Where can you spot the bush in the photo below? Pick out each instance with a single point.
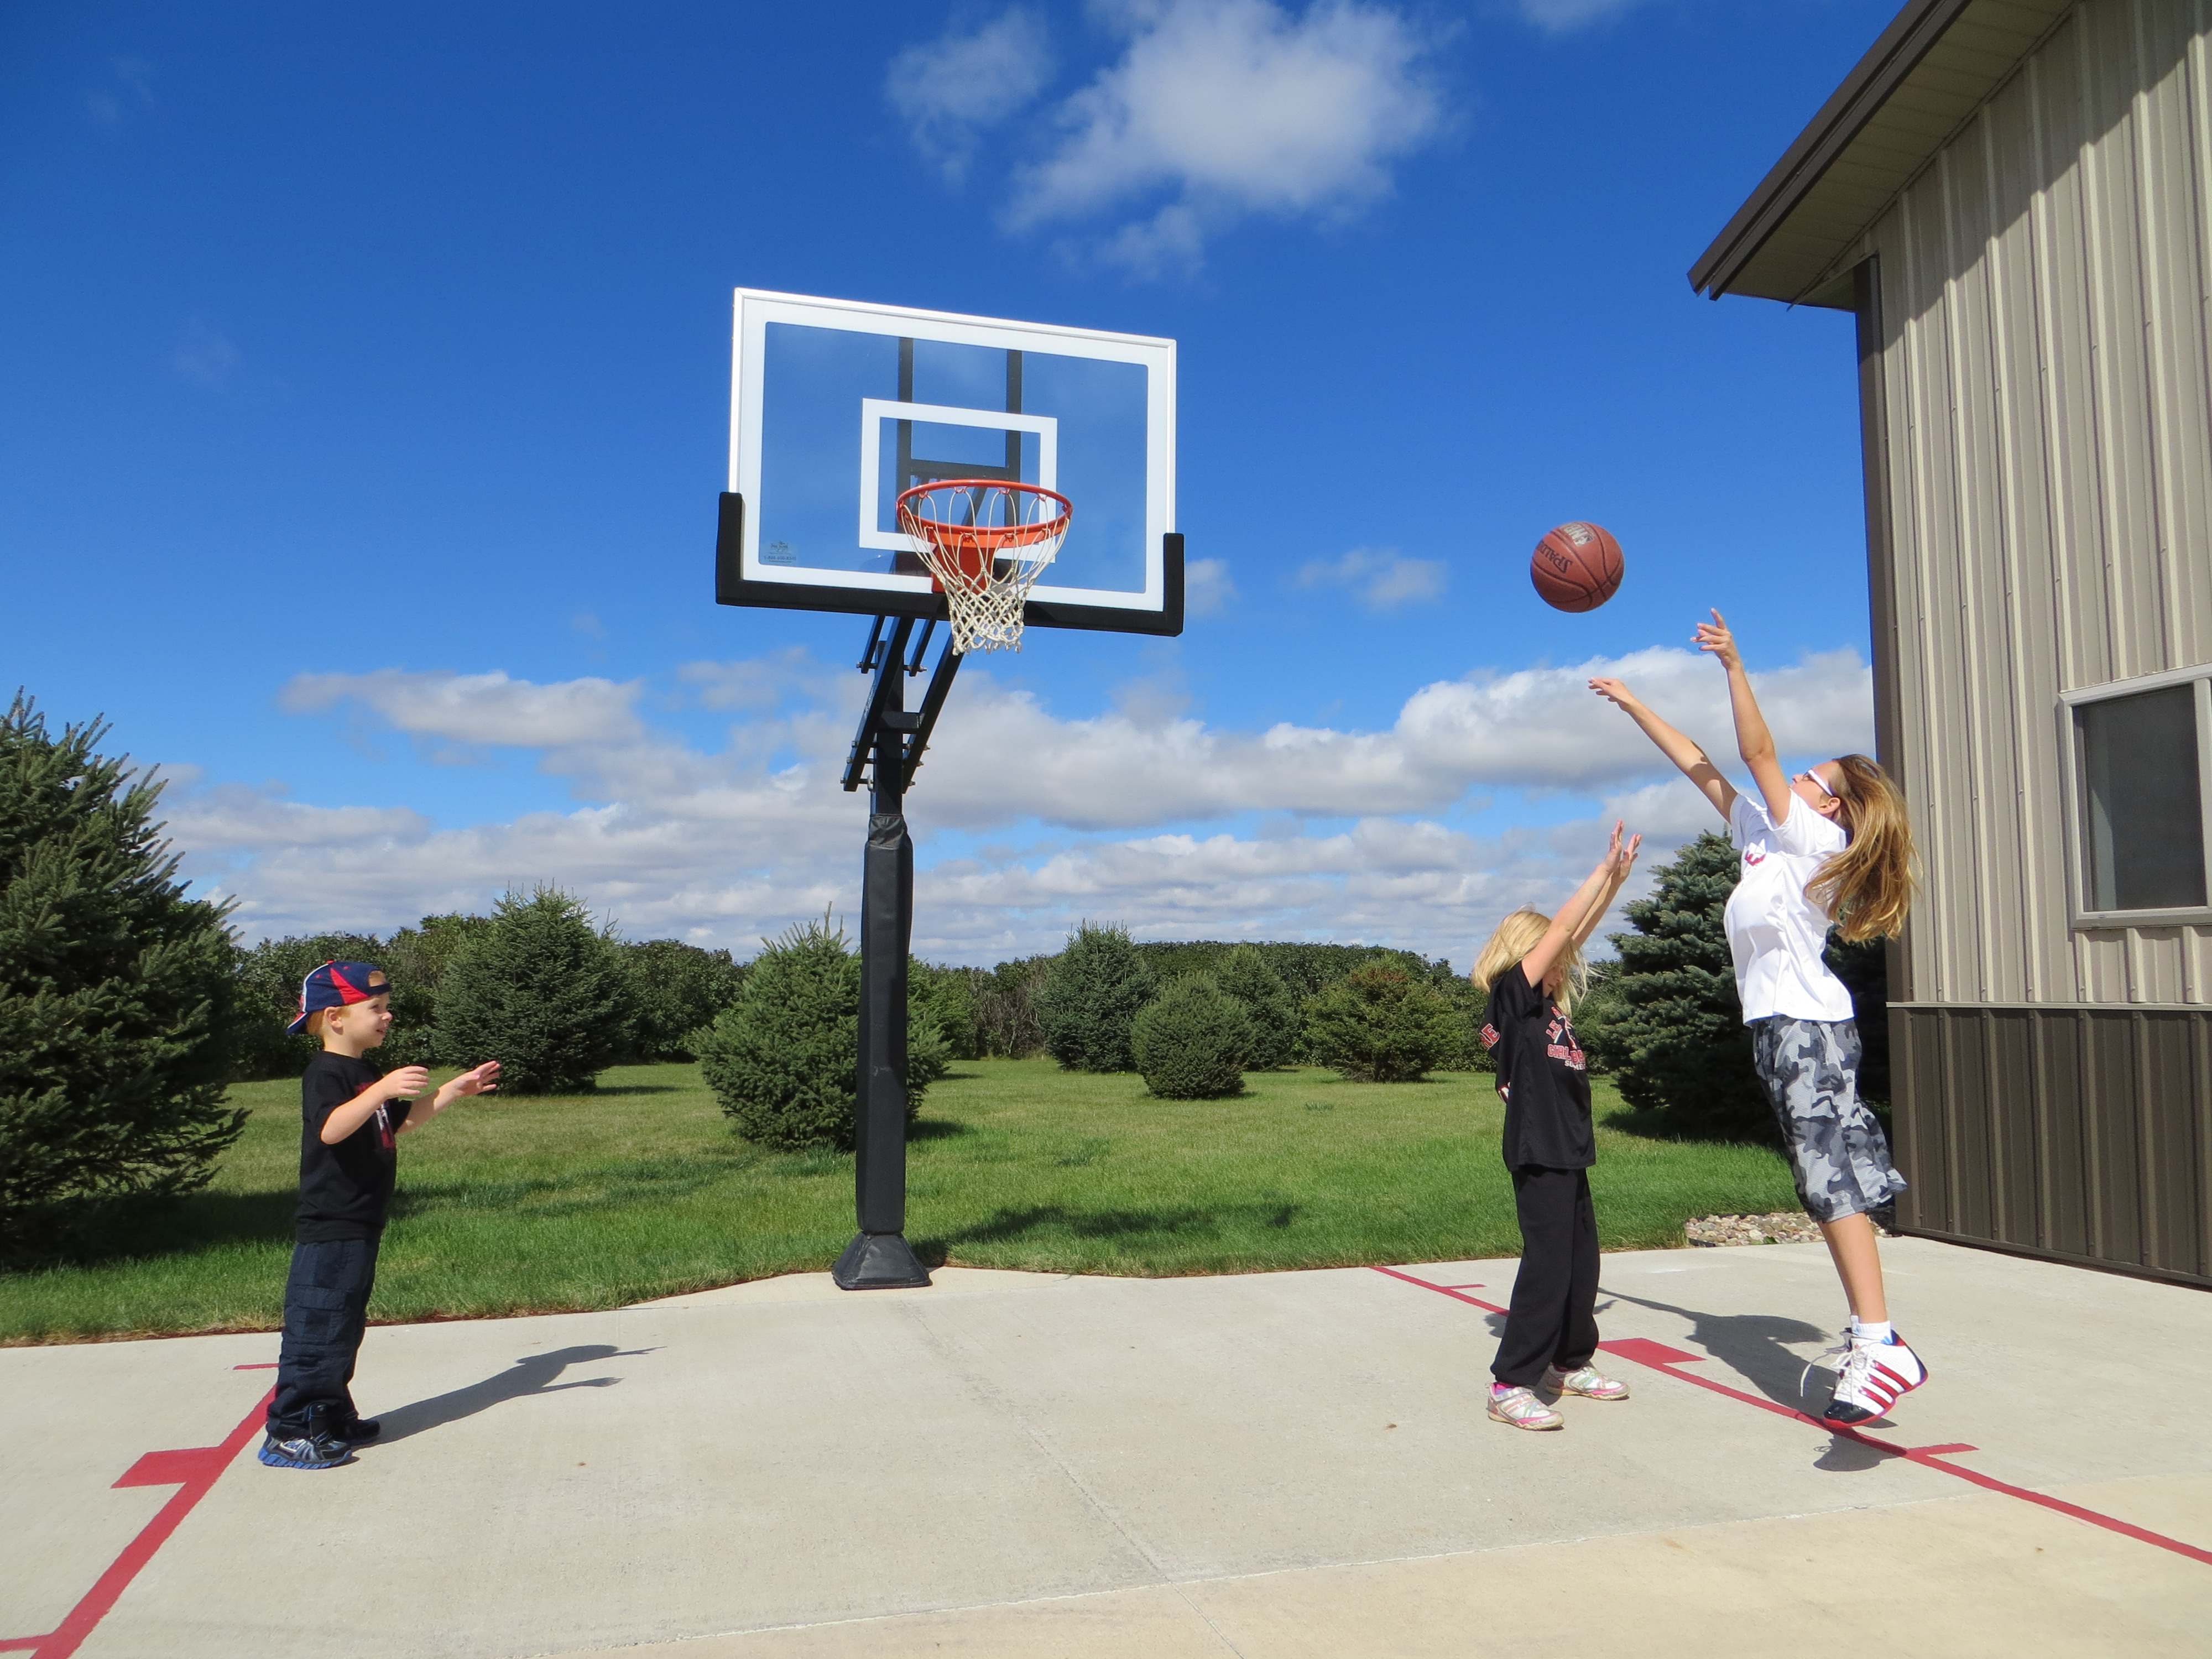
(1245, 974)
(417, 959)
(1090, 1000)
(1597, 1014)
(947, 995)
(1865, 970)
(784, 1059)
(118, 994)
(678, 989)
(1676, 1039)
(268, 998)
(1006, 1022)
(542, 992)
(1190, 1041)
(1380, 1025)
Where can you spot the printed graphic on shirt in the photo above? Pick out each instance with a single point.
(1755, 856)
(1559, 1042)
(1489, 1036)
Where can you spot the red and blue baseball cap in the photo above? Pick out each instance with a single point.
(338, 985)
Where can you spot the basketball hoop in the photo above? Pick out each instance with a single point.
(986, 542)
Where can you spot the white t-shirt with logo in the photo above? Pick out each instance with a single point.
(1775, 932)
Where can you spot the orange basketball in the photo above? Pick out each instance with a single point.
(1575, 567)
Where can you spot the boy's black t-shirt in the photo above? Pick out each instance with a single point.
(345, 1189)
(1541, 1074)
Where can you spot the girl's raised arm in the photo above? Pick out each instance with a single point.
(1619, 861)
(1584, 906)
(1673, 744)
(1752, 740)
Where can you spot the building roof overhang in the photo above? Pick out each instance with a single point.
(1936, 63)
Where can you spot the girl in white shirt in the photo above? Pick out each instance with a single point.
(1829, 847)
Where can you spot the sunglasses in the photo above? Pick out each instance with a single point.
(1821, 782)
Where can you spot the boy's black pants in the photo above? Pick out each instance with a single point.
(1552, 1318)
(325, 1309)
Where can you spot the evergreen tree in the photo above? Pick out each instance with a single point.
(268, 997)
(416, 958)
(784, 1058)
(679, 989)
(117, 993)
(542, 992)
(1190, 1041)
(1090, 1000)
(1381, 1025)
(1675, 1036)
(1246, 974)
(1006, 1022)
(948, 996)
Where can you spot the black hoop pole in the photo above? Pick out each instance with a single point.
(888, 744)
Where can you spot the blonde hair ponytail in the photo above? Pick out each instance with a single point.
(1868, 888)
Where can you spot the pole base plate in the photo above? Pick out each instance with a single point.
(879, 1261)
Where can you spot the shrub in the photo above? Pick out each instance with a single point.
(1865, 970)
(1597, 1015)
(118, 1015)
(784, 1058)
(417, 959)
(1091, 998)
(1245, 974)
(1006, 1022)
(1380, 1025)
(1676, 1038)
(678, 988)
(268, 999)
(947, 995)
(542, 992)
(1190, 1041)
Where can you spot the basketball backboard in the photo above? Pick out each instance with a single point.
(836, 406)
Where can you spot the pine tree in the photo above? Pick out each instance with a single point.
(1247, 975)
(1090, 1000)
(784, 1058)
(679, 988)
(1381, 1025)
(1190, 1041)
(542, 992)
(1675, 1035)
(118, 1017)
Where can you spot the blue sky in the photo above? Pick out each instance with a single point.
(367, 404)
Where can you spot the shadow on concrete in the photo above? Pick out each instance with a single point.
(1004, 1224)
(531, 1376)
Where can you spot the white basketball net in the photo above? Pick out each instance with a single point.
(987, 543)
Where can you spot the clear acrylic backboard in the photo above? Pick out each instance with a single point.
(836, 406)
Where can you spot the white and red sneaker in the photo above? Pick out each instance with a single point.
(1874, 1377)
(1520, 1409)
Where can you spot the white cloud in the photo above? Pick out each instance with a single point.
(1386, 578)
(1221, 108)
(953, 88)
(480, 708)
(1558, 16)
(730, 846)
(204, 356)
(1206, 588)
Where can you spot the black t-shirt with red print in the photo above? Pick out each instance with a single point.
(1541, 1074)
(345, 1189)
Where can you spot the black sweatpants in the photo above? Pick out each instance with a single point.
(326, 1310)
(1553, 1318)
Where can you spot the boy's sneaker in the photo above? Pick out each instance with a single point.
(1586, 1380)
(1873, 1378)
(1523, 1410)
(314, 1445)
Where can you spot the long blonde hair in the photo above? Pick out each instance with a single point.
(1520, 932)
(1868, 888)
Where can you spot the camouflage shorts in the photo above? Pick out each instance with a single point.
(1836, 1149)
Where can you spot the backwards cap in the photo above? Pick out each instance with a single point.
(338, 985)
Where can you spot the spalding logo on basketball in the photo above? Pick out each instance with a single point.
(1575, 567)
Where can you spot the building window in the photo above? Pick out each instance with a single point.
(2140, 764)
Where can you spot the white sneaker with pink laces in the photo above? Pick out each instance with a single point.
(1522, 1409)
(1586, 1380)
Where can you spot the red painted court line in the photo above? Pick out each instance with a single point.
(1660, 1358)
(193, 1471)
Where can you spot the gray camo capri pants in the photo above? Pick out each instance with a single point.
(1836, 1147)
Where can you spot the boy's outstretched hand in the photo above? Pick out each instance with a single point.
(1714, 637)
(481, 1080)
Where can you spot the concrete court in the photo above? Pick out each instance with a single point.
(1270, 1465)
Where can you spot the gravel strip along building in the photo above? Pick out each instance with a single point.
(2015, 196)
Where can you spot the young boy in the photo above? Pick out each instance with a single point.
(352, 1116)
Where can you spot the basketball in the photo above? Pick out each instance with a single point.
(1575, 567)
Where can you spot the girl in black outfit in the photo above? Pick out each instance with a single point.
(1532, 968)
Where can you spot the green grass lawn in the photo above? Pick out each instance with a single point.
(512, 1205)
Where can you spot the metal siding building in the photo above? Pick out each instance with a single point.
(2015, 196)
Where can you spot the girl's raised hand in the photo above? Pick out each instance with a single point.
(1615, 692)
(1622, 859)
(1714, 637)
